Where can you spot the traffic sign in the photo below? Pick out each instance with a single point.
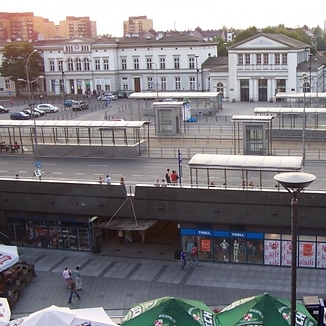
(10, 93)
(38, 164)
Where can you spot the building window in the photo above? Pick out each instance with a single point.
(258, 59)
(60, 65)
(78, 64)
(150, 84)
(162, 63)
(191, 63)
(125, 83)
(163, 83)
(192, 83)
(277, 58)
(281, 85)
(176, 63)
(284, 58)
(106, 64)
(86, 64)
(266, 61)
(177, 83)
(52, 67)
(209, 83)
(97, 64)
(70, 65)
(107, 87)
(240, 59)
(149, 64)
(8, 84)
(124, 64)
(53, 85)
(220, 87)
(247, 58)
(136, 63)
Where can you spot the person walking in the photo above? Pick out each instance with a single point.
(72, 291)
(66, 275)
(183, 259)
(78, 279)
(120, 236)
(168, 176)
(194, 255)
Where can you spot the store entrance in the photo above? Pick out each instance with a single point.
(160, 241)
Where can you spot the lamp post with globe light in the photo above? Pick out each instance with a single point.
(294, 183)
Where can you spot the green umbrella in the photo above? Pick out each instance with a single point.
(264, 310)
(169, 311)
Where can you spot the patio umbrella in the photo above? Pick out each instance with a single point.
(169, 311)
(47, 317)
(5, 312)
(8, 256)
(263, 310)
(91, 316)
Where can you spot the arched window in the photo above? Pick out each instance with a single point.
(70, 65)
(86, 64)
(220, 88)
(78, 64)
(306, 87)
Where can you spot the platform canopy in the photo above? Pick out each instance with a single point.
(150, 95)
(246, 162)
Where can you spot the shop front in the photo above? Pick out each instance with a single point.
(53, 232)
(254, 247)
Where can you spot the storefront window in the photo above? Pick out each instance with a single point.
(67, 236)
(83, 239)
(41, 234)
(205, 249)
(222, 249)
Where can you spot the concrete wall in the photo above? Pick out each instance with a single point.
(214, 205)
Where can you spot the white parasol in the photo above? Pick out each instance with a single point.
(8, 256)
(91, 317)
(46, 317)
(5, 312)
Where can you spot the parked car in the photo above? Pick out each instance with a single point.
(122, 95)
(4, 110)
(19, 116)
(31, 113)
(41, 112)
(79, 106)
(48, 108)
(107, 97)
(68, 103)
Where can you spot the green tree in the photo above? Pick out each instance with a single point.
(221, 47)
(249, 32)
(14, 61)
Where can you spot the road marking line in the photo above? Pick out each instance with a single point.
(99, 165)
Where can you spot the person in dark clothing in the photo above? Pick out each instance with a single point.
(168, 176)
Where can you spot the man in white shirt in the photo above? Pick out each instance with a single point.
(108, 180)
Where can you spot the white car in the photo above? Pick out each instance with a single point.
(48, 108)
(107, 97)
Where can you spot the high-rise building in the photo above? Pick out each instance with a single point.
(74, 27)
(25, 27)
(137, 24)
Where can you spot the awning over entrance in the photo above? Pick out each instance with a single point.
(127, 224)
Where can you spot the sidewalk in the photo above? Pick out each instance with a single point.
(126, 275)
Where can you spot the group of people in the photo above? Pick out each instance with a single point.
(126, 238)
(108, 180)
(73, 282)
(193, 257)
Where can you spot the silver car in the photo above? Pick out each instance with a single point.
(48, 108)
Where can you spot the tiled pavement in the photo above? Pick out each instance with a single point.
(118, 278)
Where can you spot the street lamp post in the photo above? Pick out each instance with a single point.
(310, 56)
(197, 72)
(156, 79)
(304, 121)
(294, 183)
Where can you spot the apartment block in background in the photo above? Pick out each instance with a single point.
(74, 27)
(137, 24)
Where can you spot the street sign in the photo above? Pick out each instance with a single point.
(38, 173)
(10, 93)
(38, 164)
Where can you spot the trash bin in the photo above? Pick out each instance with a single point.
(313, 306)
(177, 254)
(96, 249)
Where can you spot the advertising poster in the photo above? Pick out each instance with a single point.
(272, 252)
(205, 245)
(321, 255)
(286, 252)
(307, 257)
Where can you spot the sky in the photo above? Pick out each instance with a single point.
(178, 14)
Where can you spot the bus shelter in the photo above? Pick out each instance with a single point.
(256, 134)
(297, 99)
(207, 103)
(79, 138)
(243, 164)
